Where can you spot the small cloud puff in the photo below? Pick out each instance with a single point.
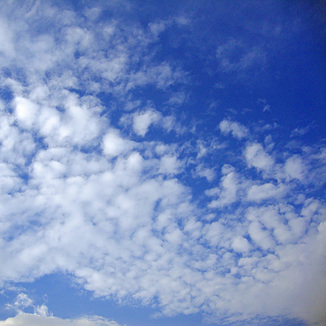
(240, 244)
(257, 157)
(266, 191)
(227, 192)
(236, 129)
(114, 145)
(235, 56)
(294, 168)
(142, 121)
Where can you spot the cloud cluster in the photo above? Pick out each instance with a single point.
(72, 168)
(237, 130)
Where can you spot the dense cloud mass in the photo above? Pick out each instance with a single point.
(101, 181)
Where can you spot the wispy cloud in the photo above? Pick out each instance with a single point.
(236, 129)
(235, 56)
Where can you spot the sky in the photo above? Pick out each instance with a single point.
(162, 163)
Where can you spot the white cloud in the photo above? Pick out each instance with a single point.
(261, 236)
(23, 301)
(267, 107)
(42, 310)
(266, 191)
(142, 121)
(41, 316)
(301, 131)
(25, 111)
(205, 172)
(163, 76)
(257, 157)
(240, 244)
(234, 55)
(114, 144)
(228, 193)
(213, 233)
(236, 129)
(123, 214)
(6, 39)
(170, 164)
(158, 27)
(229, 190)
(294, 168)
(25, 319)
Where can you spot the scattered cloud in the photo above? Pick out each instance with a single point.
(143, 120)
(228, 191)
(75, 164)
(301, 131)
(265, 191)
(114, 144)
(42, 317)
(235, 56)
(257, 157)
(295, 168)
(266, 107)
(236, 129)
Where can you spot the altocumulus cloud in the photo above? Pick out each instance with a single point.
(118, 171)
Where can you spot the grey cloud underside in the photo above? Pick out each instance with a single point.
(83, 195)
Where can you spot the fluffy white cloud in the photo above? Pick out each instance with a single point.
(142, 121)
(23, 301)
(260, 236)
(114, 144)
(266, 191)
(228, 192)
(236, 129)
(230, 189)
(205, 172)
(170, 164)
(294, 168)
(257, 157)
(240, 244)
(25, 111)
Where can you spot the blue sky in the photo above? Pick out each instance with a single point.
(162, 163)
